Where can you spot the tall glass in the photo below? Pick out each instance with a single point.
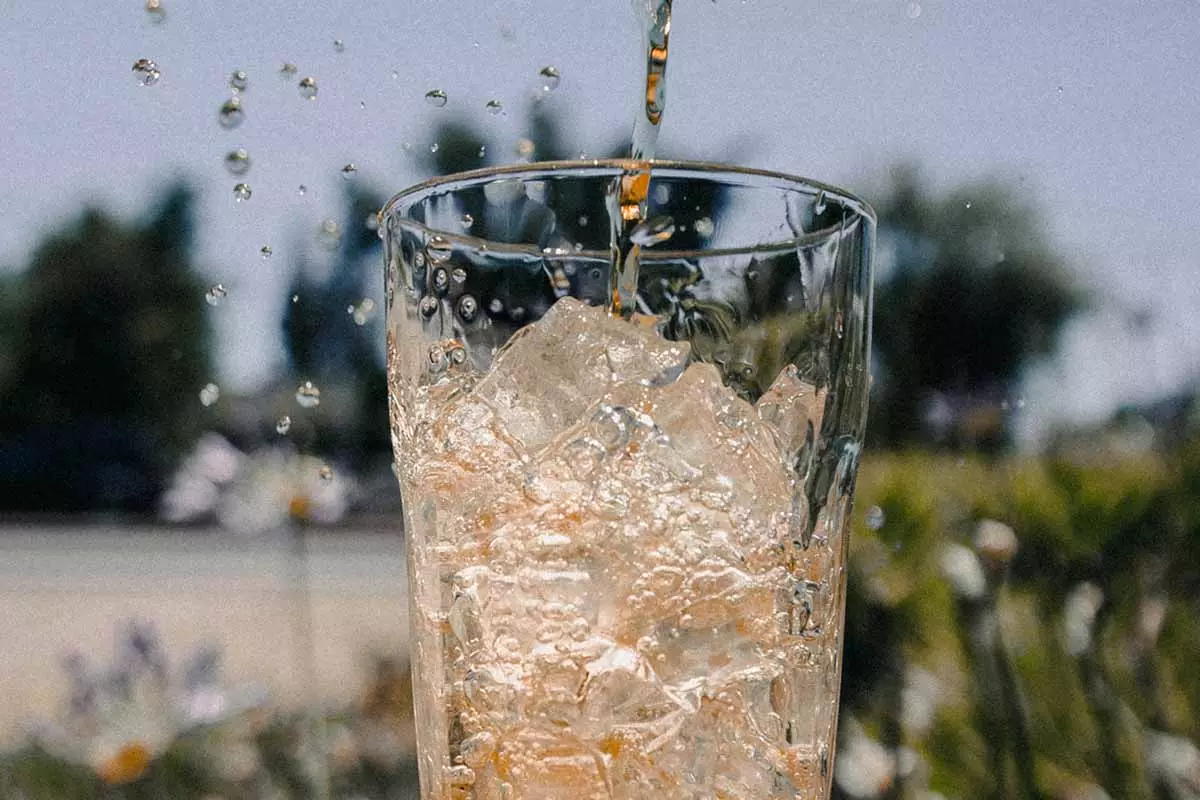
(627, 528)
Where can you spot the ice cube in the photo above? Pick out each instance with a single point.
(793, 408)
(550, 765)
(548, 374)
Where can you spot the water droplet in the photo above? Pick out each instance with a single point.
(704, 227)
(516, 313)
(459, 275)
(238, 80)
(308, 88)
(303, 190)
(457, 354)
(146, 72)
(433, 148)
(436, 98)
(349, 171)
(583, 220)
(496, 306)
(653, 231)
(295, 299)
(287, 69)
(283, 425)
(441, 280)
(237, 162)
(395, 74)
(215, 295)
(339, 46)
(329, 234)
(819, 203)
(231, 114)
(525, 148)
(242, 192)
(468, 308)
(308, 395)
(968, 204)
(550, 78)
(428, 306)
(156, 12)
(466, 220)
(875, 518)
(483, 151)
(914, 10)
(326, 473)
(209, 394)
(439, 250)
(363, 311)
(494, 107)
(265, 251)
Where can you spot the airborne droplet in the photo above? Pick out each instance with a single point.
(238, 81)
(231, 114)
(349, 171)
(339, 46)
(875, 518)
(146, 72)
(550, 78)
(287, 69)
(308, 395)
(237, 162)
(363, 311)
(466, 220)
(704, 227)
(468, 308)
(265, 251)
(283, 425)
(494, 107)
(436, 98)
(308, 88)
(326, 473)
(209, 394)
(215, 295)
(242, 192)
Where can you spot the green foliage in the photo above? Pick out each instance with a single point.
(105, 345)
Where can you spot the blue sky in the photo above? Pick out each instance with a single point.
(1091, 106)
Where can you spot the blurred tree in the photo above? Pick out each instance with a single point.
(331, 337)
(105, 344)
(970, 295)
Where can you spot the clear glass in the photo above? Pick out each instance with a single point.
(627, 532)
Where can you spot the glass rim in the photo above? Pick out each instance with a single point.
(541, 170)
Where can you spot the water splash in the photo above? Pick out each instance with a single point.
(308, 88)
(146, 72)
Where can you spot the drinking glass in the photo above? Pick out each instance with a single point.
(626, 522)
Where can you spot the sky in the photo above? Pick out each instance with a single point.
(1090, 107)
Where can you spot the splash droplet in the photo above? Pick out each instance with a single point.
(363, 311)
(349, 171)
(438, 250)
(237, 162)
(704, 227)
(653, 231)
(209, 394)
(303, 190)
(156, 12)
(308, 395)
(433, 148)
(308, 88)
(242, 192)
(875, 518)
(215, 295)
(326, 473)
(441, 281)
(466, 220)
(265, 251)
(459, 275)
(468, 308)
(550, 78)
(283, 425)
(483, 151)
(494, 107)
(231, 114)
(436, 98)
(238, 80)
(428, 306)
(339, 46)
(146, 72)
(287, 69)
(496, 306)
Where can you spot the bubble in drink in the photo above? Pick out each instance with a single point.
(237, 162)
(238, 81)
(242, 192)
(230, 114)
(283, 425)
(308, 395)
(215, 295)
(436, 98)
(146, 72)
(550, 78)
(209, 394)
(308, 88)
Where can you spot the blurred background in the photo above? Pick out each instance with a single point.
(201, 557)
